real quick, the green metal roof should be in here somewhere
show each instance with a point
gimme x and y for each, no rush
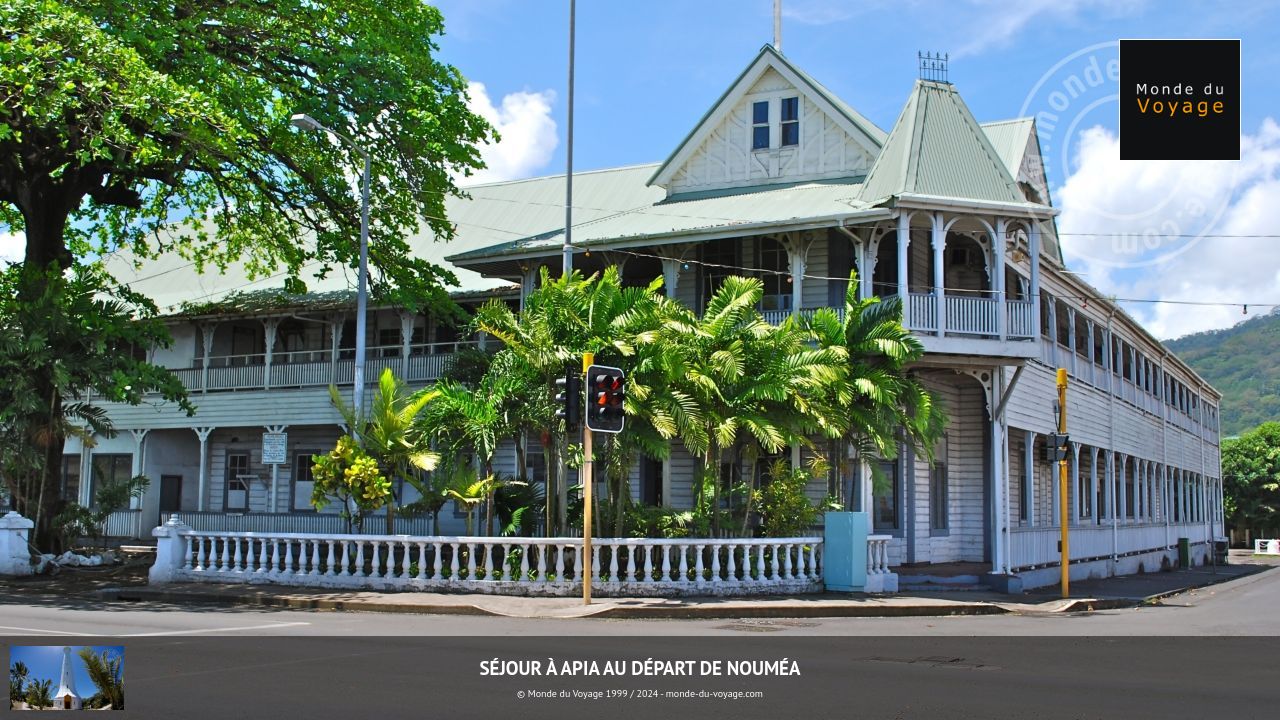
(1009, 139)
(694, 213)
(937, 149)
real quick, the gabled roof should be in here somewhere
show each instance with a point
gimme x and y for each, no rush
(1009, 139)
(855, 123)
(937, 149)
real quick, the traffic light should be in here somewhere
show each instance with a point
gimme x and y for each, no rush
(606, 389)
(569, 398)
(1059, 445)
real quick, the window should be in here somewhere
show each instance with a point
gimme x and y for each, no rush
(773, 263)
(238, 478)
(302, 481)
(939, 500)
(71, 478)
(790, 121)
(109, 469)
(885, 499)
(760, 125)
(720, 260)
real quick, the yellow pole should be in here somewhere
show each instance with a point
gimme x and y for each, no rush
(587, 360)
(1062, 485)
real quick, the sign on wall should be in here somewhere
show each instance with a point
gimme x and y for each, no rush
(274, 448)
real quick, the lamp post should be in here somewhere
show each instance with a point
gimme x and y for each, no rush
(308, 123)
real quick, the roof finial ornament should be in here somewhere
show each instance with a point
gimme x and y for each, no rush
(777, 25)
(933, 66)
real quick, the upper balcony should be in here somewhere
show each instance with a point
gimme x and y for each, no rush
(425, 362)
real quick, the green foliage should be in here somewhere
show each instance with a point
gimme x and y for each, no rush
(1240, 363)
(390, 435)
(106, 671)
(349, 474)
(785, 509)
(77, 521)
(65, 337)
(156, 115)
(518, 503)
(1251, 480)
(40, 694)
(18, 675)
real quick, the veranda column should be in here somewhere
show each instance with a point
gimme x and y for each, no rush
(1122, 506)
(269, 326)
(203, 434)
(139, 447)
(939, 242)
(1029, 477)
(1033, 289)
(406, 338)
(206, 336)
(335, 342)
(1000, 483)
(904, 241)
(1074, 484)
(1093, 485)
(867, 265)
(997, 280)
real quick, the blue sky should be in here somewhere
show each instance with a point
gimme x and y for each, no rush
(45, 663)
(646, 72)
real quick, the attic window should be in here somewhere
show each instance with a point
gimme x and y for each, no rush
(790, 121)
(760, 125)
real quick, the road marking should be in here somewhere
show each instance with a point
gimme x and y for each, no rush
(41, 631)
(268, 626)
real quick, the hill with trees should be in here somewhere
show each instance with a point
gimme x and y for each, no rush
(1241, 362)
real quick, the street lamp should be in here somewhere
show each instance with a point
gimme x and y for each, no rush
(310, 124)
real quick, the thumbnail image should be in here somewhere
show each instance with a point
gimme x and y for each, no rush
(66, 677)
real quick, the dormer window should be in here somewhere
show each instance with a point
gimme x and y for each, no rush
(760, 125)
(790, 121)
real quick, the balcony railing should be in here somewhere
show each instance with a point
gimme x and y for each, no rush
(318, 368)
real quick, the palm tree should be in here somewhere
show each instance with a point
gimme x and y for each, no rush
(561, 320)
(106, 672)
(40, 694)
(18, 674)
(389, 433)
(747, 379)
(876, 394)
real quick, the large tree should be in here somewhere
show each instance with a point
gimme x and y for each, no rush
(163, 127)
(1251, 480)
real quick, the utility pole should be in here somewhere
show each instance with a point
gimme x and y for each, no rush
(1061, 449)
(568, 153)
(588, 359)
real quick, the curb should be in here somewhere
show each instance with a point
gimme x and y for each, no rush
(692, 612)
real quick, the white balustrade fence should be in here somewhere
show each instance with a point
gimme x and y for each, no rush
(496, 565)
(880, 579)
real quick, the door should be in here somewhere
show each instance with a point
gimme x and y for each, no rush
(651, 482)
(170, 493)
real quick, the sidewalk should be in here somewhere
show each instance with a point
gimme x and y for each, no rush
(1087, 595)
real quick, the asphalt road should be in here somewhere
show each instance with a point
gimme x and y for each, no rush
(239, 662)
(1245, 607)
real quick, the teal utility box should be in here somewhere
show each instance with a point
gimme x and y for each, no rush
(844, 551)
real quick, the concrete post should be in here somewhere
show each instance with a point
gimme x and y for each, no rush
(15, 555)
(170, 551)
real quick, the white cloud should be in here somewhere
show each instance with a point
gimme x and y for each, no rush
(1138, 205)
(13, 246)
(528, 133)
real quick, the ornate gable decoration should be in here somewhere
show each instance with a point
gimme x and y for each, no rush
(773, 125)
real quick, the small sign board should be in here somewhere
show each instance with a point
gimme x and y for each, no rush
(274, 448)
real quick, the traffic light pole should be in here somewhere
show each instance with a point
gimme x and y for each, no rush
(1062, 485)
(587, 465)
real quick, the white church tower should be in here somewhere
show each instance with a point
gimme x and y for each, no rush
(67, 698)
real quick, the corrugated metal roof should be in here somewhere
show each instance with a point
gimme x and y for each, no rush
(936, 148)
(496, 213)
(1009, 139)
(695, 213)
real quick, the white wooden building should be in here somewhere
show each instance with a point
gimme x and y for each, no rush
(951, 215)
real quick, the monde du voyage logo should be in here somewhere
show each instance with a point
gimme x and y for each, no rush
(1179, 99)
